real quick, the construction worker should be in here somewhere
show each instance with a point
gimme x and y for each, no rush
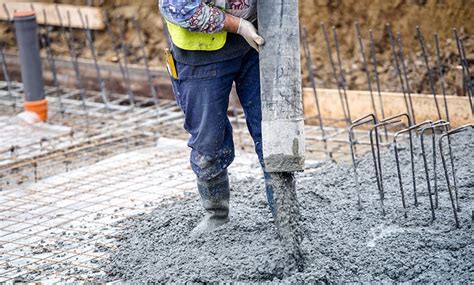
(215, 43)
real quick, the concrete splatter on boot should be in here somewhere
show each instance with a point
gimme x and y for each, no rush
(215, 195)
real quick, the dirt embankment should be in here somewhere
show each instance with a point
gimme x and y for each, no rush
(404, 15)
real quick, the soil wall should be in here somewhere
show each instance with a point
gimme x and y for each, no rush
(404, 15)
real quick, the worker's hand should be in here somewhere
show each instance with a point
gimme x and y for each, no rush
(248, 31)
(245, 29)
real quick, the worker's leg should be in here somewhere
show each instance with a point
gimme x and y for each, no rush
(248, 90)
(202, 92)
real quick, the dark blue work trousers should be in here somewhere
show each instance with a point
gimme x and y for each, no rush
(203, 92)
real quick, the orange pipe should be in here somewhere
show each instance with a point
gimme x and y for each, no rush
(39, 107)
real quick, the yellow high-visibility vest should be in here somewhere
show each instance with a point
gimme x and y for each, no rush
(187, 40)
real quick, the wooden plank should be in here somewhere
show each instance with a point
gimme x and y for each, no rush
(360, 105)
(94, 14)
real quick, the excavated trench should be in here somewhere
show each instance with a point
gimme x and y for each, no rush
(341, 244)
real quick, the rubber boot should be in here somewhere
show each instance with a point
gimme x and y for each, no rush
(215, 195)
(269, 192)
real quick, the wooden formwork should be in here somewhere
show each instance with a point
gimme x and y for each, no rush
(55, 14)
(360, 104)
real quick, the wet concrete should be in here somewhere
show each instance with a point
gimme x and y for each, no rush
(341, 243)
(288, 218)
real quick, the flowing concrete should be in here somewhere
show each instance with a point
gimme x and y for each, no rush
(341, 244)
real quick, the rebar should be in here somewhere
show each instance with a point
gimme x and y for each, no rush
(90, 43)
(370, 118)
(443, 90)
(441, 75)
(454, 201)
(4, 63)
(341, 73)
(121, 32)
(469, 80)
(377, 159)
(465, 68)
(446, 126)
(52, 62)
(9, 19)
(450, 150)
(397, 64)
(405, 76)
(334, 72)
(125, 75)
(312, 80)
(145, 61)
(412, 160)
(366, 67)
(432, 127)
(377, 80)
(7, 76)
(68, 38)
(430, 75)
